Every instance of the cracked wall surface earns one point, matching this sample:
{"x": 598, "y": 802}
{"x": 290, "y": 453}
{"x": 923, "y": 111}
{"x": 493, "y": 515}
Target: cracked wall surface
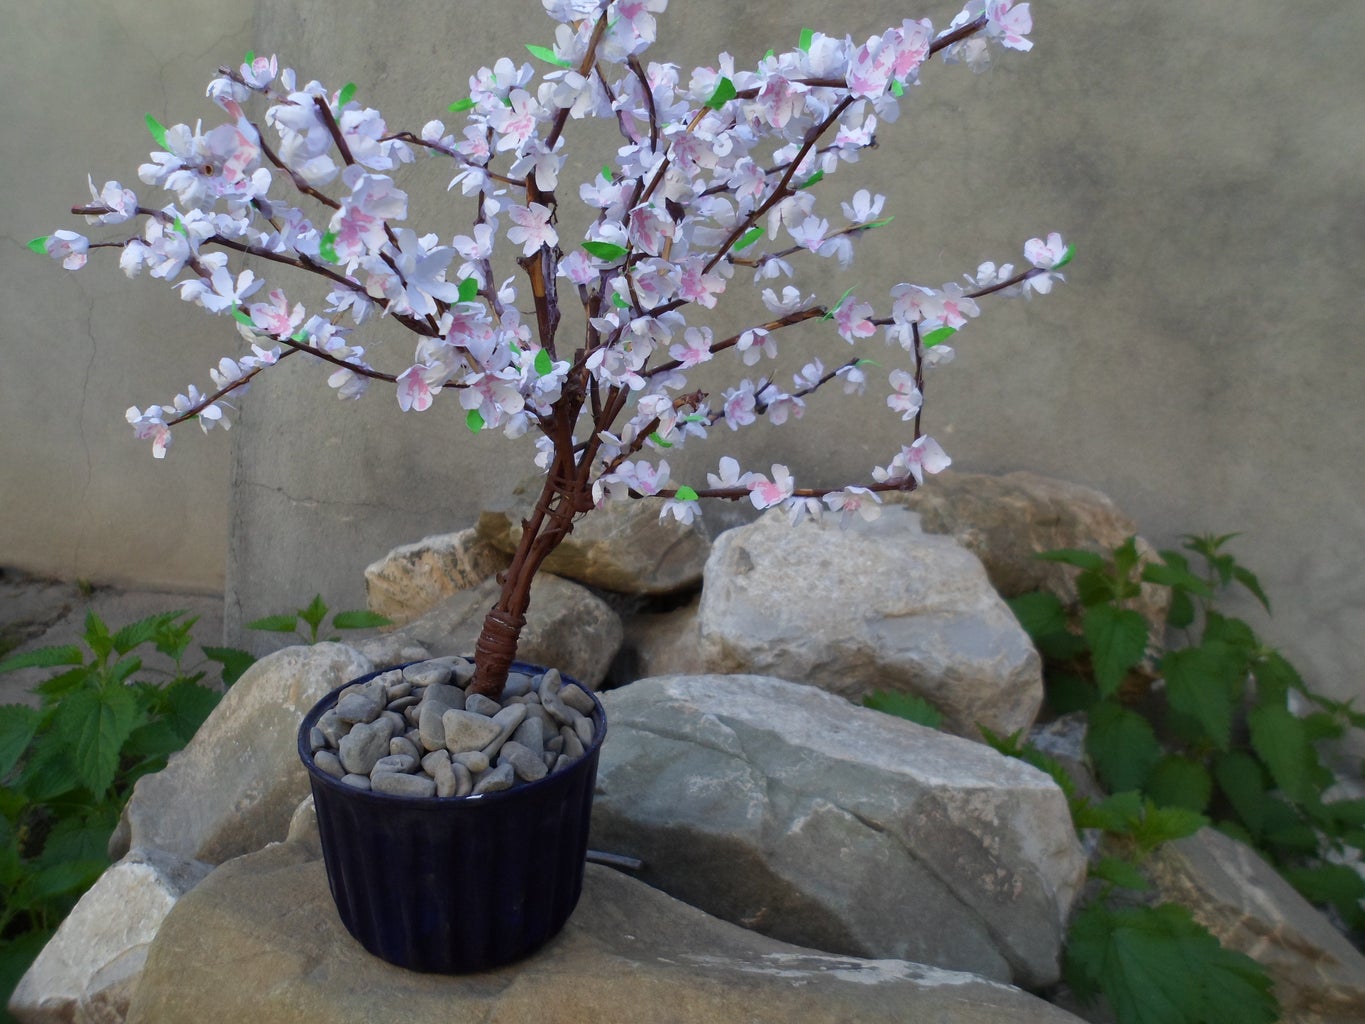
{"x": 1201, "y": 365}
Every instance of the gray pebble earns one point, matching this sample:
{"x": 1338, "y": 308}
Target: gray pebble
{"x": 444, "y": 696}
{"x": 403, "y": 745}
{"x": 403, "y": 703}
{"x": 464, "y": 779}
{"x": 495, "y": 780}
{"x": 400, "y": 763}
{"x": 397, "y": 723}
{"x": 365, "y": 744}
{"x": 531, "y": 734}
{"x": 398, "y": 784}
{"x": 430, "y": 728}
{"x": 584, "y": 728}
{"x": 442, "y": 775}
{"x": 528, "y": 764}
{"x": 317, "y": 739}
{"x": 431, "y": 760}
{"x": 573, "y": 746}
{"x": 577, "y": 698}
{"x": 396, "y": 684}
{"x": 356, "y": 781}
{"x": 518, "y": 685}
{"x": 332, "y": 727}
{"x": 507, "y": 721}
{"x": 359, "y": 707}
{"x": 563, "y": 762}
{"x": 465, "y": 730}
{"x": 481, "y": 705}
{"x": 329, "y": 763}
{"x": 474, "y": 761}
{"x": 428, "y": 673}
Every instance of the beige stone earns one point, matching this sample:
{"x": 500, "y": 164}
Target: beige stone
{"x": 413, "y": 579}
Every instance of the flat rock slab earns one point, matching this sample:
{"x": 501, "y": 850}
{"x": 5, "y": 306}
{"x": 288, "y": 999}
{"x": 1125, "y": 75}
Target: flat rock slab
{"x": 793, "y": 812}
{"x": 260, "y": 941}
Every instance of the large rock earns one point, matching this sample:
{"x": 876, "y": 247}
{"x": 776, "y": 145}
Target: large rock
{"x": 793, "y": 812}
{"x": 235, "y": 785}
{"x": 1319, "y": 976}
{"x": 622, "y": 547}
{"x": 1007, "y": 520}
{"x": 876, "y": 606}
{"x": 259, "y": 940}
{"x": 413, "y": 579}
{"x": 567, "y": 627}
{"x": 89, "y": 968}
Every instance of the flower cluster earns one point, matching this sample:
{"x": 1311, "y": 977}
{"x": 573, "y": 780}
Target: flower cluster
{"x": 715, "y": 179}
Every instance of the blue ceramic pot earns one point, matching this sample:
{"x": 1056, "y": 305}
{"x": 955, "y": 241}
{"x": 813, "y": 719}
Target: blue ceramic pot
{"x": 452, "y": 885}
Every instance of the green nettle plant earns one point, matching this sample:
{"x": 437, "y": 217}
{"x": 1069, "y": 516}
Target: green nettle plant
{"x": 68, "y": 766}
{"x": 1232, "y": 731}
{"x": 717, "y": 177}
{"x": 313, "y": 616}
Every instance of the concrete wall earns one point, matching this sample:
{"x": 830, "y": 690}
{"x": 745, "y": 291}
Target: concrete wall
{"x": 1201, "y": 365}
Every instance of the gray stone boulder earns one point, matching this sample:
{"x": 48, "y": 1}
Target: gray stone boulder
{"x": 235, "y": 785}
{"x": 876, "y": 606}
{"x": 413, "y": 579}
{"x": 622, "y": 547}
{"x": 567, "y": 627}
{"x": 1319, "y": 976}
{"x": 89, "y": 968}
{"x": 1007, "y": 520}
{"x": 793, "y": 812}
{"x": 259, "y": 940}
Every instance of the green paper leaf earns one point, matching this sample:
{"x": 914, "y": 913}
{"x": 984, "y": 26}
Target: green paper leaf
{"x": 813, "y": 179}
{"x": 346, "y": 95}
{"x": 240, "y": 315}
{"x": 619, "y": 302}
{"x": 806, "y": 36}
{"x": 544, "y": 363}
{"x": 937, "y": 336}
{"x": 658, "y": 440}
{"x": 327, "y": 247}
{"x": 548, "y": 56}
{"x": 605, "y": 172}
{"x": 748, "y": 238}
{"x": 1066, "y": 258}
{"x": 606, "y": 251}
{"x": 829, "y": 313}
{"x": 469, "y": 290}
{"x": 474, "y": 420}
{"x": 250, "y": 56}
{"x": 1118, "y": 639}
{"x": 686, "y": 493}
{"x": 179, "y": 227}
{"x": 725, "y": 91}
{"x": 158, "y": 131}
{"x": 460, "y": 106}
{"x": 879, "y": 223}
{"x": 39, "y": 245}
{"x": 897, "y": 90}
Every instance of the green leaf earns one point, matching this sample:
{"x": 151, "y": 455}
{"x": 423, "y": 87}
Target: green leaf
{"x": 748, "y": 238}
{"x": 93, "y": 726}
{"x": 346, "y": 95}
{"x": 275, "y": 624}
{"x": 686, "y": 493}
{"x": 460, "y": 106}
{"x": 909, "y": 706}
{"x": 1181, "y": 612}
{"x": 1281, "y": 741}
{"x": 1177, "y": 781}
{"x": 937, "y": 336}
{"x": 1275, "y": 677}
{"x": 812, "y": 180}
{"x": 327, "y": 247}
{"x": 725, "y": 91}
{"x": 1121, "y": 745}
{"x": 608, "y": 252}
{"x": 658, "y": 439}
{"x": 1040, "y": 613}
{"x": 97, "y": 636}
{"x": 544, "y": 363}
{"x": 39, "y": 245}
{"x": 187, "y": 704}
{"x": 44, "y": 657}
{"x": 1073, "y": 556}
{"x": 315, "y": 612}
{"x": 1336, "y": 884}
{"x": 143, "y": 631}
{"x": 243, "y": 318}
{"x": 1118, "y": 639}
{"x": 158, "y": 131}
{"x": 359, "y": 619}
{"x": 1234, "y": 633}
{"x": 1242, "y": 781}
{"x": 474, "y": 420}
{"x": 1157, "y": 965}
{"x": 1175, "y": 577}
{"x": 829, "y": 313}
{"x": 1248, "y": 579}
{"x": 59, "y": 686}
{"x": 619, "y": 301}
{"x": 803, "y": 44}
{"x": 1120, "y": 872}
{"x": 898, "y": 90}
{"x": 1163, "y": 824}
{"x": 233, "y": 660}
{"x": 469, "y": 290}
{"x": 1067, "y": 692}
{"x": 18, "y": 723}
{"x": 1201, "y": 682}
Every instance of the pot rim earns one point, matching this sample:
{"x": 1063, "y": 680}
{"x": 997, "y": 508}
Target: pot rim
{"x": 522, "y": 790}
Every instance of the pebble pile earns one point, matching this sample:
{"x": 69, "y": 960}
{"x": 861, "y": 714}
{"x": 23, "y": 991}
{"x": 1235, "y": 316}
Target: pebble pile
{"x": 415, "y": 732}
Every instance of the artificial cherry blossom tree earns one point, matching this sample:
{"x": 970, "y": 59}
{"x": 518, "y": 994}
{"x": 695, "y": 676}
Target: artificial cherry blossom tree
{"x": 717, "y": 179}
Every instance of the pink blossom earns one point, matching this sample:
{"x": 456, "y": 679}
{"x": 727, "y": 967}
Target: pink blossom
{"x": 69, "y": 247}
{"x": 1010, "y": 24}
{"x": 729, "y": 476}
{"x": 695, "y": 349}
{"x": 905, "y": 397}
{"x": 414, "y": 392}
{"x": 853, "y": 320}
{"x": 739, "y": 405}
{"x": 275, "y": 318}
{"x": 533, "y": 228}
{"x": 765, "y": 493}
{"x": 854, "y": 501}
